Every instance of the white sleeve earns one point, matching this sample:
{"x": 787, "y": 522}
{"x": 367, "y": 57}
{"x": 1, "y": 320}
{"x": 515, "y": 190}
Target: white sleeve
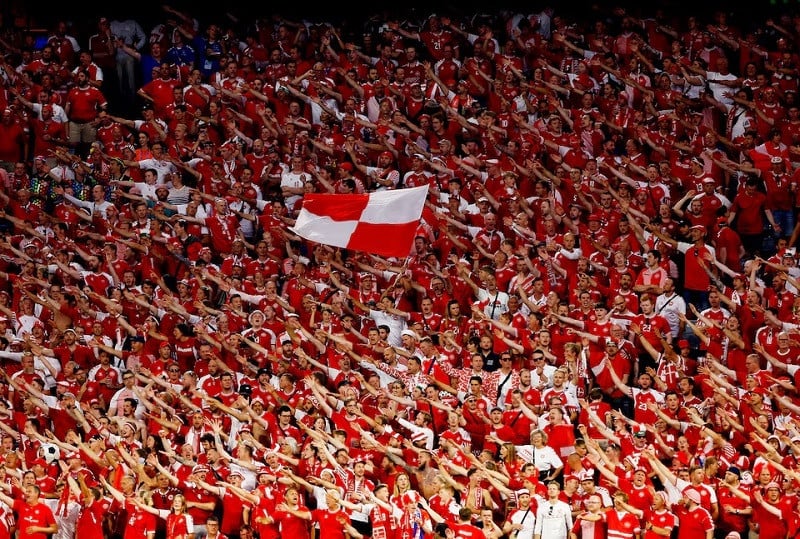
{"x": 13, "y": 356}
{"x": 249, "y": 298}
{"x": 673, "y": 492}
{"x": 681, "y": 484}
{"x": 163, "y": 513}
{"x": 77, "y": 202}
{"x": 574, "y": 255}
{"x": 113, "y": 404}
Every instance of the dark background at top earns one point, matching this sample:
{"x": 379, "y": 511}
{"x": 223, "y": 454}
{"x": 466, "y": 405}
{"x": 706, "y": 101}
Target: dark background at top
{"x": 83, "y": 15}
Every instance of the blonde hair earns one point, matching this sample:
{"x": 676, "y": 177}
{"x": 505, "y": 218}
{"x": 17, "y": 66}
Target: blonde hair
{"x": 147, "y": 497}
{"x": 543, "y": 433}
{"x": 511, "y": 452}
{"x": 396, "y": 489}
{"x": 183, "y": 499}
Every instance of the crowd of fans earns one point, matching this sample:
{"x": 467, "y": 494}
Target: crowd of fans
{"x": 595, "y": 333}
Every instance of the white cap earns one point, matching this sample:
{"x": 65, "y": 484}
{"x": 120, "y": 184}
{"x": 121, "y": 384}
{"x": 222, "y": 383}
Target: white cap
{"x": 410, "y": 333}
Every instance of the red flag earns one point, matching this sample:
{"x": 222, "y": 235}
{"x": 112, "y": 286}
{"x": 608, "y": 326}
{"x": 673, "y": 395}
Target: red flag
{"x": 382, "y": 223}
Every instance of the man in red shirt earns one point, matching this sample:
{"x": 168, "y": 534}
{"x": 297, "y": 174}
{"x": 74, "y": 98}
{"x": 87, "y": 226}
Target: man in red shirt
{"x": 749, "y": 209}
{"x": 48, "y": 132}
{"x": 35, "y": 520}
{"x": 728, "y": 244}
{"x": 694, "y": 521}
{"x": 649, "y": 325}
{"x": 464, "y": 528}
{"x": 159, "y": 91}
{"x": 223, "y": 226}
{"x": 292, "y": 515}
{"x": 622, "y": 521}
{"x": 334, "y": 522}
{"x": 697, "y": 254}
{"x": 713, "y": 203}
{"x": 71, "y": 350}
{"x": 83, "y": 104}
{"x": 589, "y": 524}
{"x": 651, "y": 278}
{"x": 13, "y": 139}
{"x": 621, "y": 365}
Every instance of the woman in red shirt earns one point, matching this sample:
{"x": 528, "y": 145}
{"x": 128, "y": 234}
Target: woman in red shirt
{"x": 180, "y": 525}
{"x": 510, "y": 463}
{"x": 184, "y": 345}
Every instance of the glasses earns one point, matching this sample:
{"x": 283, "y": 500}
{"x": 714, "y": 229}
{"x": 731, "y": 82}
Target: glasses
{"x": 174, "y": 370}
{"x": 505, "y": 359}
{"x": 550, "y": 512}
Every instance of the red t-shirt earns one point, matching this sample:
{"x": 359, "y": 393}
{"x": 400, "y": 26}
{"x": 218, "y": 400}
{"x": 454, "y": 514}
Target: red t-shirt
{"x": 467, "y": 531}
{"x": 693, "y": 524}
{"x": 33, "y": 515}
{"x": 663, "y": 519}
{"x": 90, "y": 520}
{"x": 331, "y": 523}
{"x": 139, "y": 523}
{"x": 84, "y": 103}
{"x": 749, "y": 209}
{"x": 232, "y": 514}
{"x": 292, "y": 526}
{"x": 694, "y": 276}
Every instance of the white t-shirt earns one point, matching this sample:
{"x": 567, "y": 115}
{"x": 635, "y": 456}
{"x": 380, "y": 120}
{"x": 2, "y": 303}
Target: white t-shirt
{"x": 293, "y": 179}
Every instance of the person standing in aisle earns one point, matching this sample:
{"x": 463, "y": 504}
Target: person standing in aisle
{"x": 553, "y": 517}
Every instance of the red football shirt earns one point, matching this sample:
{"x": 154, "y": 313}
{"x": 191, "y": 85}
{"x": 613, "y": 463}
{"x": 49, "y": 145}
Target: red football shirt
{"x": 331, "y": 523}
{"x": 33, "y": 515}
